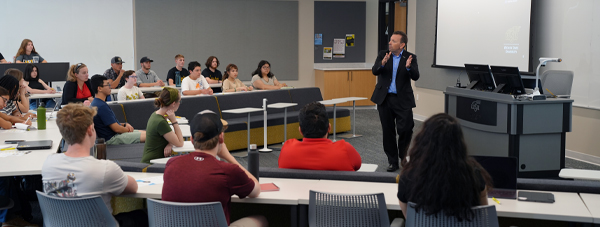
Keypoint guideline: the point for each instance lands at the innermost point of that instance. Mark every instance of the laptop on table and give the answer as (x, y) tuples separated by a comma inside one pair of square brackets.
[(35, 145), (503, 171)]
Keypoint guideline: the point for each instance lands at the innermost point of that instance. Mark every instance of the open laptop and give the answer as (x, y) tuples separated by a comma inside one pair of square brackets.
[(503, 171), (58, 85), (35, 145)]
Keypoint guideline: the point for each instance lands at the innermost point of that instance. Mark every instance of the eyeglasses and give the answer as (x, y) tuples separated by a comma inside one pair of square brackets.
[(133, 76), (105, 85), (5, 99), (266, 67)]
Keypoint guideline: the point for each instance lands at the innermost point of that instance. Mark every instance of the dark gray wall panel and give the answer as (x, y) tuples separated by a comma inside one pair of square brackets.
[(239, 32), (335, 20)]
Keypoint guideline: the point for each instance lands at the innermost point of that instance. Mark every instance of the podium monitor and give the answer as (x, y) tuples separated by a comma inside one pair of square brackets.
[(480, 77), (508, 80)]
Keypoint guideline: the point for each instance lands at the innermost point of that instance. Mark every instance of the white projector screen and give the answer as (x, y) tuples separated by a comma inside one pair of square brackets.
[(494, 32)]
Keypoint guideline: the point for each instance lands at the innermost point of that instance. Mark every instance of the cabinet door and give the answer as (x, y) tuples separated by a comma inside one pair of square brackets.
[(362, 84), (336, 84)]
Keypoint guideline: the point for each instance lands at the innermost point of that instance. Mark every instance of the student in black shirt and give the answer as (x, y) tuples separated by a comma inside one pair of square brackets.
[(179, 62), (211, 73)]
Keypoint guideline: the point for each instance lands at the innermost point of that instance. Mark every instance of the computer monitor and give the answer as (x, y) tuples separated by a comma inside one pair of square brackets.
[(480, 77), (508, 80)]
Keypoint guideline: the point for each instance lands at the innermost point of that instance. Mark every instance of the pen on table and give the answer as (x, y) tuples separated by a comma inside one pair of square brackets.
[(495, 200), (551, 93), (5, 149)]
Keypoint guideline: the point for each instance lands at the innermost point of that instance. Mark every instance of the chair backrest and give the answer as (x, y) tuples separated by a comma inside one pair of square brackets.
[(557, 81), (165, 214), (88, 211), (485, 216), (328, 209)]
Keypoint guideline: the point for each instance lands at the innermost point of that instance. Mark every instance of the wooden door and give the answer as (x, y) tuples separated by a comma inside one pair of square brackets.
[(362, 84)]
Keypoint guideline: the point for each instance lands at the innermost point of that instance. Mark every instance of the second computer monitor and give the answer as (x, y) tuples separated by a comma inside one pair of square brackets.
[(480, 77), (508, 80)]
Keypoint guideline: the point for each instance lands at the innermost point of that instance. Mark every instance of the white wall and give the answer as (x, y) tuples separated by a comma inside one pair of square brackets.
[(72, 31)]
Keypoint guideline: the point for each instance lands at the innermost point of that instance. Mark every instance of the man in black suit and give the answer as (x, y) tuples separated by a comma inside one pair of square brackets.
[(394, 97)]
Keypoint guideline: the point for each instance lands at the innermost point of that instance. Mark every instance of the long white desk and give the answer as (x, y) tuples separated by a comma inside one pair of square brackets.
[(581, 174), (592, 201), (31, 163)]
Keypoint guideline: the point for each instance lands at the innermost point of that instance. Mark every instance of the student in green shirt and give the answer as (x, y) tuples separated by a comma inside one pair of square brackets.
[(160, 138)]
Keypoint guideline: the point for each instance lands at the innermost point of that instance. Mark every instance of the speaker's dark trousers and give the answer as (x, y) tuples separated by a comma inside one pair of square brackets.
[(395, 119)]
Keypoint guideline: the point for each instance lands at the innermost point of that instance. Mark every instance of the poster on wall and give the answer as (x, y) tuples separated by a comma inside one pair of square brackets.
[(349, 40), (327, 53), (339, 48), (318, 39)]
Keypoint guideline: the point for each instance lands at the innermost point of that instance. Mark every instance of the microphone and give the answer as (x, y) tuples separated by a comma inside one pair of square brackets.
[(543, 61), (458, 79)]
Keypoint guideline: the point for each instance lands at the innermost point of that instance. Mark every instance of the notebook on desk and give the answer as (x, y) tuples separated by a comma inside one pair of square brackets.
[(503, 171), (35, 145)]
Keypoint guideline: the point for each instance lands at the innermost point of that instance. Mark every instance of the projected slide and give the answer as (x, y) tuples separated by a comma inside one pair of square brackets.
[(494, 32)]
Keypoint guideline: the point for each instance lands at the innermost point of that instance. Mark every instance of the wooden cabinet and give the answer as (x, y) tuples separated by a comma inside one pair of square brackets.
[(346, 83)]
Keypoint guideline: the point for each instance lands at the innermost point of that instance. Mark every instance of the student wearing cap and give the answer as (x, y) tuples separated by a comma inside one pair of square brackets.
[(179, 63), (147, 77), (129, 91), (213, 180), (315, 151), (195, 83), (160, 138), (115, 73), (105, 122)]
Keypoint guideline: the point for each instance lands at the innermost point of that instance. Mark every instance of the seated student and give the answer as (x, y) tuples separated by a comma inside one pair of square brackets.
[(105, 122), (129, 91), (213, 180), (263, 78), (35, 85), (179, 62), (75, 173), (9, 110), (195, 83), (27, 53), (211, 73), (160, 138), (230, 81), (315, 151), (2, 60), (147, 77), (19, 104), (4, 97), (439, 174), (115, 73), (77, 88)]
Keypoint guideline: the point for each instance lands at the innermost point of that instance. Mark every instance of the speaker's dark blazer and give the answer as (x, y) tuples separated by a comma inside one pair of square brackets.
[(403, 77)]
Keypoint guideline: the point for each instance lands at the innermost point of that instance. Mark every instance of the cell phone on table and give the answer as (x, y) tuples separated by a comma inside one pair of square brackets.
[(13, 141)]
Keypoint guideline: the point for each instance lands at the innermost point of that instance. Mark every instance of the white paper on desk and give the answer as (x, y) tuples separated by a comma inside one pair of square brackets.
[(12, 130), (150, 181), (9, 153), (21, 126)]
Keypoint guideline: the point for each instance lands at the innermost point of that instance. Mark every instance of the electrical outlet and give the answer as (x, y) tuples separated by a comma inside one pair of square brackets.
[(417, 97)]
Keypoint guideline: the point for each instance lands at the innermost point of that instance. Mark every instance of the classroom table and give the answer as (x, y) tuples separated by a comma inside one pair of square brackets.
[(580, 174), (185, 130), (592, 201), (31, 163), (247, 110), (187, 147), (334, 102), (353, 99), (283, 105)]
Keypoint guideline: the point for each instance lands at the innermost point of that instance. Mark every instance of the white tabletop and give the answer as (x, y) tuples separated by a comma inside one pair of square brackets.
[(243, 110), (365, 167), (333, 101), (567, 207), (160, 160), (45, 96), (592, 201), (187, 147), (582, 174), (281, 105), (185, 130), (180, 121), (31, 163), (352, 98)]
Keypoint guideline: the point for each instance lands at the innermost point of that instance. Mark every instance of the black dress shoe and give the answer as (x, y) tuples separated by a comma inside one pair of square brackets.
[(392, 168)]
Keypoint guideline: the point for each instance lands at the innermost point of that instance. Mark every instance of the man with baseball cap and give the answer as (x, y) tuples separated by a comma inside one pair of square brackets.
[(147, 77), (200, 177), (115, 73)]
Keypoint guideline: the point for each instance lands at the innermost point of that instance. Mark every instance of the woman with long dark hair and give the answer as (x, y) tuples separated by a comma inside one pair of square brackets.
[(438, 174), (263, 78), (35, 85)]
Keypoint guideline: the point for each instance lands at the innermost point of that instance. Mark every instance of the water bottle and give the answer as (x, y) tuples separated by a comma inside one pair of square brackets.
[(100, 151), (177, 78), (253, 161), (41, 116)]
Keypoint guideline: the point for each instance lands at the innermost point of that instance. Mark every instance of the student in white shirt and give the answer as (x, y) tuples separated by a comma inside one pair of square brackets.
[(129, 91), (195, 83)]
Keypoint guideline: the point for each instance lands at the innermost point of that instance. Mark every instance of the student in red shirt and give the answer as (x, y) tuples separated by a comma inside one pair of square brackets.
[(200, 177), (315, 151)]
